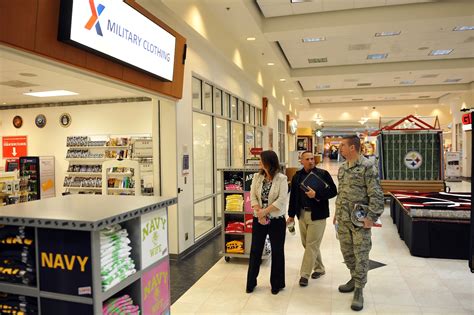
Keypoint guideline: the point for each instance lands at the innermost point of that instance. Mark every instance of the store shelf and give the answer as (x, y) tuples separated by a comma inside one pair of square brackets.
[(233, 191), (85, 160), (234, 212), (120, 286), (84, 188), (18, 289), (85, 174), (120, 189), (237, 233), (119, 174), (99, 147)]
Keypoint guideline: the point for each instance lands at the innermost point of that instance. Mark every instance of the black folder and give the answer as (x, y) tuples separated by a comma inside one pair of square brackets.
[(314, 182)]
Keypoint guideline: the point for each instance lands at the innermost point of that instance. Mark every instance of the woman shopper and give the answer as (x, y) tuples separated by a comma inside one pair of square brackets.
[(268, 197)]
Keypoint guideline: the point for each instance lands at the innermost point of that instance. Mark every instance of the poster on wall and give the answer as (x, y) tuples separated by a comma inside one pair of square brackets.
[(154, 237), (156, 289), (65, 261), (47, 177), (302, 144), (14, 146)]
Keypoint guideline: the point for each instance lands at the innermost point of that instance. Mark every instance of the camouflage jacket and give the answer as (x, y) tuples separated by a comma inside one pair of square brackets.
[(359, 183)]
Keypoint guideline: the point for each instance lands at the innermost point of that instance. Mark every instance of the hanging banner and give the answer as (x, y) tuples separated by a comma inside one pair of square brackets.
[(156, 289), (154, 237)]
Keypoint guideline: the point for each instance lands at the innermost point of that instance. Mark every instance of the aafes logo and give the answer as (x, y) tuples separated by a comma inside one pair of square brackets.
[(94, 19), (413, 160)]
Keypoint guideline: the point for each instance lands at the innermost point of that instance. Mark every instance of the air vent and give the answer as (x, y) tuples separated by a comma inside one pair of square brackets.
[(317, 60), (17, 84), (424, 96), (428, 76), (359, 47), (364, 84), (357, 99)]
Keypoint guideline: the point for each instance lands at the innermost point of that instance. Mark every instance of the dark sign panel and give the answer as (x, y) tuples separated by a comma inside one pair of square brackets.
[(65, 262)]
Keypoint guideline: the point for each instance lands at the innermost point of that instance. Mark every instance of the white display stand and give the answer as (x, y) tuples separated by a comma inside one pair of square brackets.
[(453, 166), (68, 255), (131, 173)]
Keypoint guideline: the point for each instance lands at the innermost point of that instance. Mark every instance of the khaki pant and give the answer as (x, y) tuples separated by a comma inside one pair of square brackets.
[(311, 236)]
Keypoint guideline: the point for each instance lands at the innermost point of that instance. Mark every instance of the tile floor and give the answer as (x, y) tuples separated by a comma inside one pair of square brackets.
[(406, 285)]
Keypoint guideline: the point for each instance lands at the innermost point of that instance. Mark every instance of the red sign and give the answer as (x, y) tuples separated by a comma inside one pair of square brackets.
[(466, 119), (14, 146), (256, 151)]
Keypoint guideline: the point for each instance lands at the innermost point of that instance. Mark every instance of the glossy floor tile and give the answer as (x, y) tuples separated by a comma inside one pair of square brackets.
[(405, 285)]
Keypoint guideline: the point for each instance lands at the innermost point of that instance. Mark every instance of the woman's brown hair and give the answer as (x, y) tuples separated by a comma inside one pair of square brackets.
[(270, 161)]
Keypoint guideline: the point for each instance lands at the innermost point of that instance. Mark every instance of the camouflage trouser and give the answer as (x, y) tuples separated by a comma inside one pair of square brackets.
[(355, 247)]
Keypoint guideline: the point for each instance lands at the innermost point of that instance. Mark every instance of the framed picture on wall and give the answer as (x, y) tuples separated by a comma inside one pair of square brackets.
[(301, 144)]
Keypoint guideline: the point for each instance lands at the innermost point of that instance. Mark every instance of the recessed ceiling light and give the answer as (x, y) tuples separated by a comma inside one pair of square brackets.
[(317, 60), (364, 84), (300, 1), (270, 64), (4, 103), (452, 80), (376, 56), (251, 38), (464, 28), (28, 74), (51, 93), (440, 52), (406, 82), (291, 91), (313, 39), (387, 34), (323, 86), (282, 80)]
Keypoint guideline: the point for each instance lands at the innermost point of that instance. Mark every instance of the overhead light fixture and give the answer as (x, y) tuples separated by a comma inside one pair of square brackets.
[(313, 39), (270, 64), (464, 28), (377, 56), (440, 52), (387, 34), (300, 1), (452, 80), (317, 60), (251, 38), (323, 86), (407, 82), (282, 80), (51, 93), (291, 91)]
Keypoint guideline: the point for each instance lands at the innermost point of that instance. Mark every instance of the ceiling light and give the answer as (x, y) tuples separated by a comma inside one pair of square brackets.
[(464, 28), (51, 93), (377, 56), (323, 86), (407, 82), (317, 60), (291, 91), (270, 64), (282, 80), (387, 34), (364, 84), (313, 39), (296, 98), (452, 80), (300, 1), (251, 38), (440, 52)]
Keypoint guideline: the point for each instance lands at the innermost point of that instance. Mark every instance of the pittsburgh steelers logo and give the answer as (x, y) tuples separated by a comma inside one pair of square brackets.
[(413, 160)]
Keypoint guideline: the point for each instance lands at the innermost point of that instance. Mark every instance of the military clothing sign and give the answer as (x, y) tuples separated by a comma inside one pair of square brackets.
[(154, 237)]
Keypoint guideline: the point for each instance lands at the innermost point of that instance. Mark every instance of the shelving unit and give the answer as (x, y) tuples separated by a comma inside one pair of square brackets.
[(86, 154), (121, 177), (237, 181), (68, 253)]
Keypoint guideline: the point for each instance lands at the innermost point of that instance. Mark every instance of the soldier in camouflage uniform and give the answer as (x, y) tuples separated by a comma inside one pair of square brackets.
[(358, 184)]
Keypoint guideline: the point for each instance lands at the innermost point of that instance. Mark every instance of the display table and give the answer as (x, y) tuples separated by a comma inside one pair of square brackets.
[(67, 245), (433, 224)]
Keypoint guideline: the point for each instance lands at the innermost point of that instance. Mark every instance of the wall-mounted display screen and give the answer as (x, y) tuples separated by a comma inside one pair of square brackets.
[(116, 30)]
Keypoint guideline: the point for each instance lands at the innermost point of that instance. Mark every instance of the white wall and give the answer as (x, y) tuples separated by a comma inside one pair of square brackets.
[(100, 119)]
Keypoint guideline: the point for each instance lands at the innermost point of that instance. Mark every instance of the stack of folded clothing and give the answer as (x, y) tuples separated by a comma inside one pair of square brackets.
[(234, 202), (18, 304), (17, 255), (235, 227), (121, 305), (116, 263)]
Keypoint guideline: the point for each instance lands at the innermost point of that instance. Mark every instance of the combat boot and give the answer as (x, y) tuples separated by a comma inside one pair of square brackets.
[(348, 287), (358, 300)]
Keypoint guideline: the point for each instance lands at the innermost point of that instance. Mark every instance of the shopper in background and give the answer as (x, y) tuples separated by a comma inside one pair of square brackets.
[(312, 208), (358, 184), (268, 197)]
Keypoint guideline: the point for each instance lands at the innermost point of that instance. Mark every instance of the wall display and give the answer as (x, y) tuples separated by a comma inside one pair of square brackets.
[(47, 177), (40, 121), (14, 146), (156, 289), (65, 260), (115, 30), (65, 120), (154, 236), (301, 144), (17, 122)]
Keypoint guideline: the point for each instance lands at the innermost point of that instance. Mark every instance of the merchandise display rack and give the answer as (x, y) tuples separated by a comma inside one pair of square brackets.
[(238, 182), (68, 228)]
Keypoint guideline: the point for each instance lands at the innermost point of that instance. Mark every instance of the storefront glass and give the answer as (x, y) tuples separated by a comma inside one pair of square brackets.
[(237, 144)]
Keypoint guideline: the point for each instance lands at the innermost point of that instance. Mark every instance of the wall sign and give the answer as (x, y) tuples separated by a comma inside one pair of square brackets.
[(156, 289), (14, 146), (116, 30), (65, 261), (467, 122), (154, 237)]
